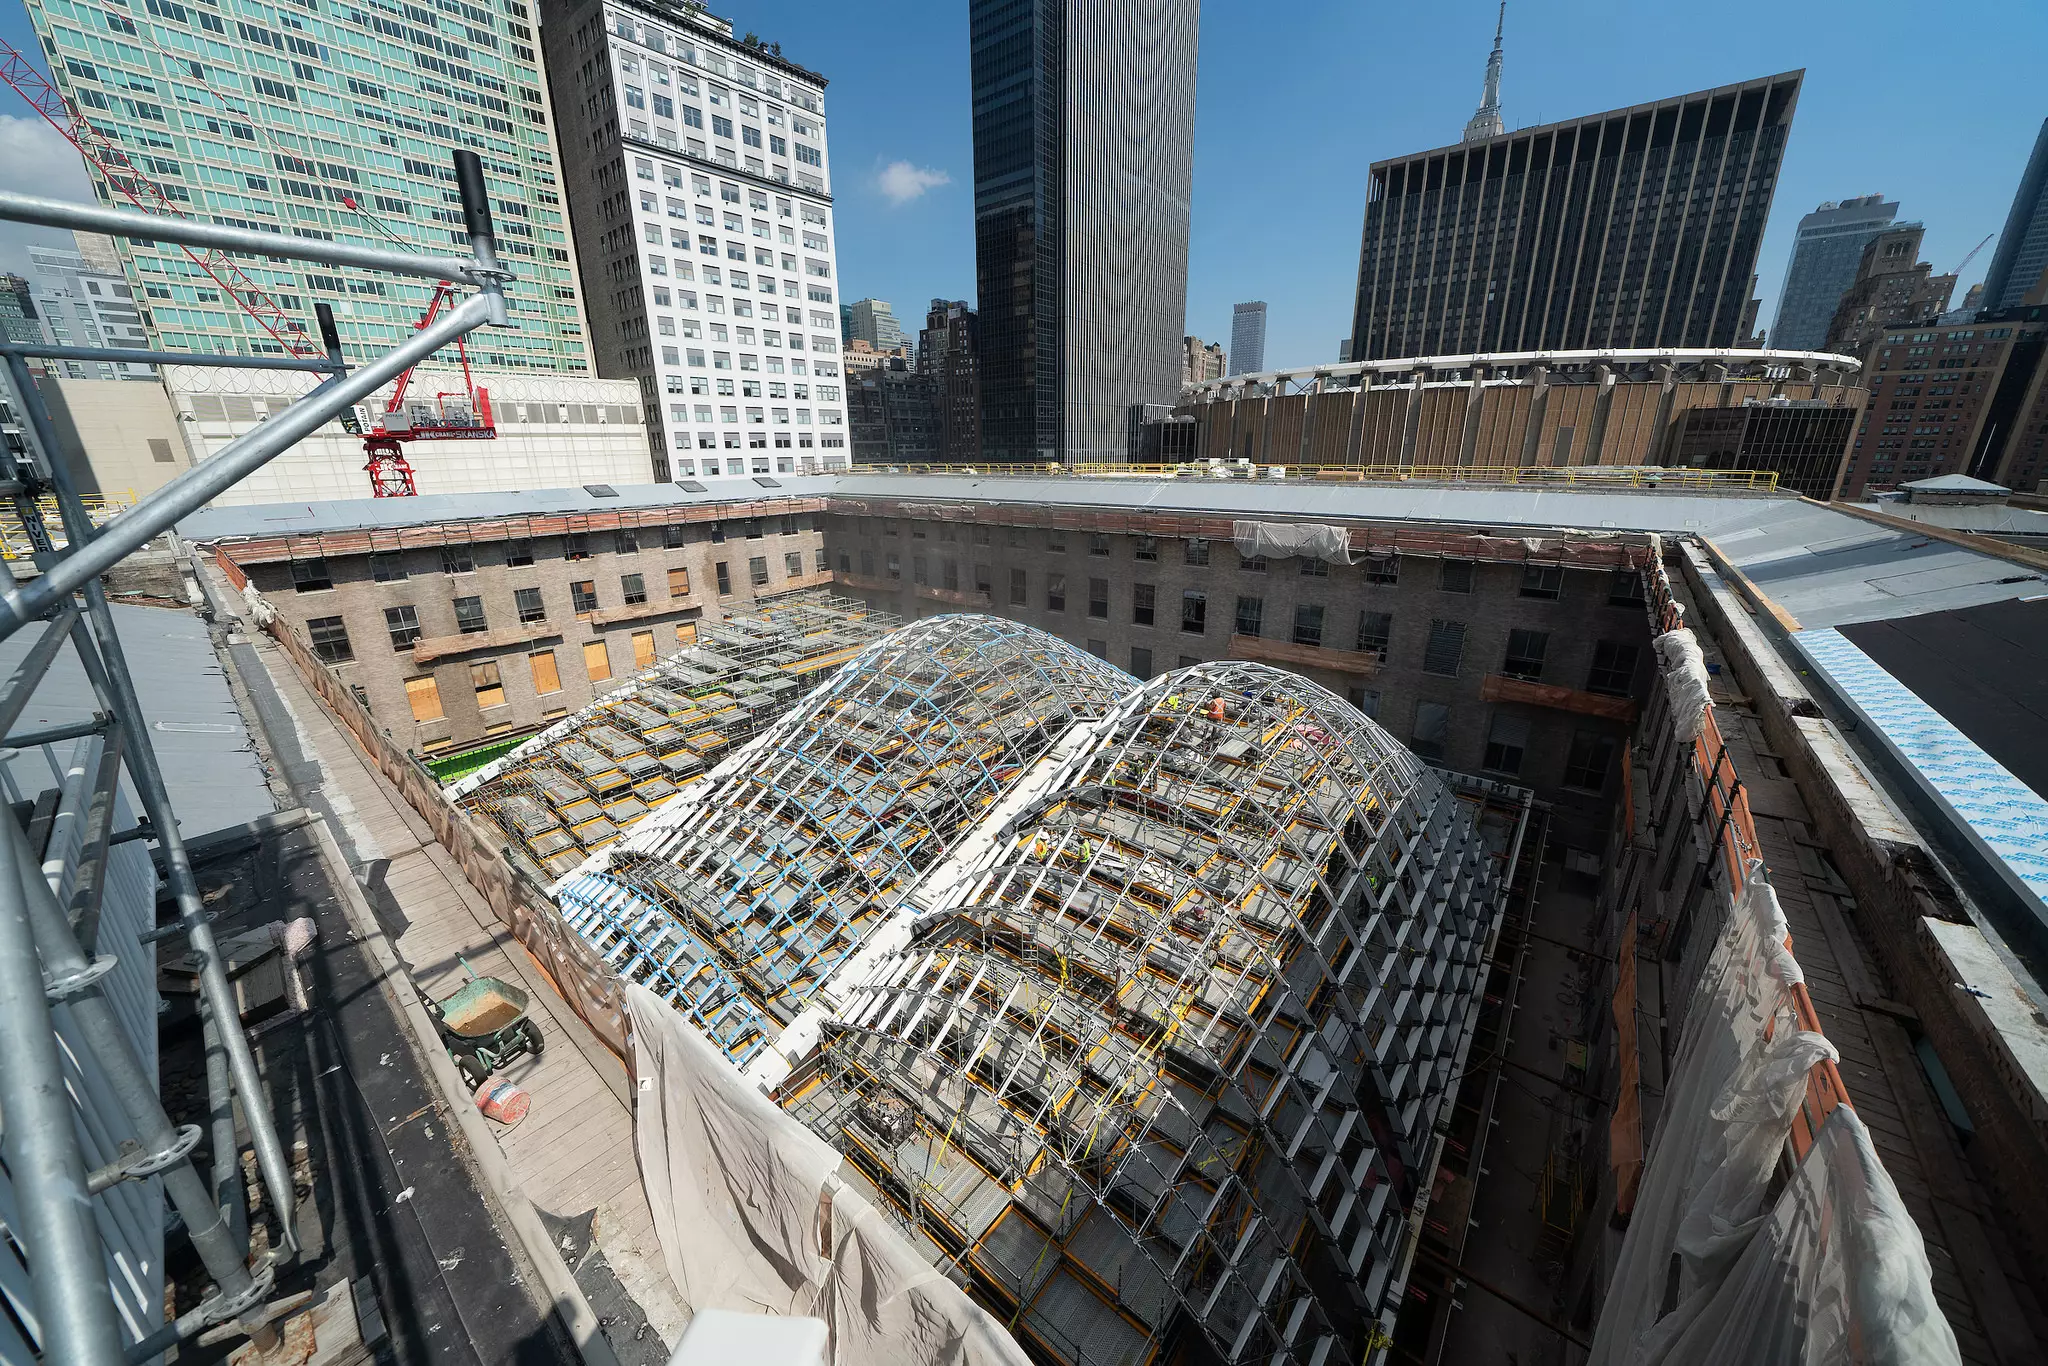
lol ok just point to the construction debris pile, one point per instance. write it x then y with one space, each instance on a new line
576 787
1134 1006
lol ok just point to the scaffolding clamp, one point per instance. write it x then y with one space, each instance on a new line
134 1164
64 985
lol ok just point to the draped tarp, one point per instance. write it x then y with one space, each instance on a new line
1685 679
752 1218
1703 1237
1282 540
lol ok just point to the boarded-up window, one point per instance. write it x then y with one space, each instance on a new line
1432 729
643 649
490 688
679 583
425 696
1446 648
546 677
597 661
686 633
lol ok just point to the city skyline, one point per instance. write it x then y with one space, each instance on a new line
905 191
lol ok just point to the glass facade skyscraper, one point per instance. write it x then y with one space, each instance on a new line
279 117
1248 339
1635 228
2022 252
1824 256
1083 165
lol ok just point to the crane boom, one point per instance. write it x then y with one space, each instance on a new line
125 180
1973 252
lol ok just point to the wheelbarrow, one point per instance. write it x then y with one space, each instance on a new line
484 1025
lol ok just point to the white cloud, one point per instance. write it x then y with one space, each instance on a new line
35 158
903 182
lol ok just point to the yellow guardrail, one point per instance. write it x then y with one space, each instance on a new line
1590 476
101 507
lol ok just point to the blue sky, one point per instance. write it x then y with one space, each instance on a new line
1935 107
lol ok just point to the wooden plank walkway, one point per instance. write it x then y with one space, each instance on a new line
1987 1303
574 1150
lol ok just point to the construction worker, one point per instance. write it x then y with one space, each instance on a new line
1217 711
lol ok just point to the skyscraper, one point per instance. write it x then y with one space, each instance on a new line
874 322
1084 115
701 196
1485 121
1824 256
949 358
1637 227
1248 339
1893 288
2022 252
329 123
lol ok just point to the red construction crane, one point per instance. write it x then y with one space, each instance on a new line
452 415
119 173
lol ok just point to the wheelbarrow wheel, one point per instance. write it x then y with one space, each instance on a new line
472 1069
534 1042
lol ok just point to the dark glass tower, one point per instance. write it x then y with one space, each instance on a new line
2022 252
1084 118
1634 228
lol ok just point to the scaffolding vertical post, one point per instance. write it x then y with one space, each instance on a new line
108 670
74 1309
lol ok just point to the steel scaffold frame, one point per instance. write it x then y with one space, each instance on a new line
1186 1038
44 955
741 898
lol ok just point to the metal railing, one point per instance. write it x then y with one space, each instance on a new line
18 543
51 962
1576 476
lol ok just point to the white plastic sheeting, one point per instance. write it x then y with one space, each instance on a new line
752 1218
1709 1273
1282 540
1685 678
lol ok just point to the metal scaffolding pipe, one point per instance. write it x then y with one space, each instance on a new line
135 1089
192 490
63 213
74 1309
21 685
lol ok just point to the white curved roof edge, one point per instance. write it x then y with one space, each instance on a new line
1407 364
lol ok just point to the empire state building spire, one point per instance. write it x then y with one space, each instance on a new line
1486 122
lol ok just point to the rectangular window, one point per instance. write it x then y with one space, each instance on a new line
1446 648
679 582
1142 597
724 573
547 677
490 689
1432 730
576 546
1455 576
518 552
531 608
1524 658
1018 588
1588 762
329 638
633 588
404 625
1312 568
1506 741
1365 699
1141 661
1614 669
1056 540
1308 624
674 536
387 567
457 559
1098 598
310 576
1251 564
1098 648
1194 612
1625 589
583 597
793 566
757 571
1055 592
628 540
425 696
469 616
1195 550
1383 569
1251 616
643 649
1544 581
1145 548
597 660
1098 543
1374 628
